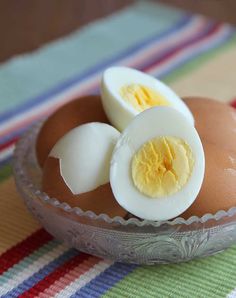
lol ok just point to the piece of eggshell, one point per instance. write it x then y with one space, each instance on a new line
99 200
214 121
79 111
218 191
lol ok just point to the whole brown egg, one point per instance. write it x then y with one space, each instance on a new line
99 200
215 121
79 111
216 125
218 191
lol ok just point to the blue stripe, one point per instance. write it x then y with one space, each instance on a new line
191 40
97 68
105 280
26 261
196 53
41 274
5 161
18 132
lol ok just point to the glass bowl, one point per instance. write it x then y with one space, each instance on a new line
133 240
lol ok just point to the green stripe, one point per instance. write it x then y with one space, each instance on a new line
5 172
207 277
198 61
26 262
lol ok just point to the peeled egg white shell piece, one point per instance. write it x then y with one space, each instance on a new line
152 123
118 111
84 155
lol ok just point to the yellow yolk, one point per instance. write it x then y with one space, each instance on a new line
162 166
141 97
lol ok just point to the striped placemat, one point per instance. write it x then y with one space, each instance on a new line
195 56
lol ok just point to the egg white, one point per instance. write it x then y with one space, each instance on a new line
84 155
152 123
118 111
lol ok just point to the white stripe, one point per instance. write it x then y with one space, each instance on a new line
6 153
167 42
32 268
190 50
232 294
85 278
79 88
44 107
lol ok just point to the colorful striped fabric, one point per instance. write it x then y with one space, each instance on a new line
196 56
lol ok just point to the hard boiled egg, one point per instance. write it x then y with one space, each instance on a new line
158 163
216 124
126 92
77 169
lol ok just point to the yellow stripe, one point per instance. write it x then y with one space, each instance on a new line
215 78
16 222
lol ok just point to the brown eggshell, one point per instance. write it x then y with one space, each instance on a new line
79 111
218 191
100 200
214 121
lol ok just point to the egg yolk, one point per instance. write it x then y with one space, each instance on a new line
141 97
162 166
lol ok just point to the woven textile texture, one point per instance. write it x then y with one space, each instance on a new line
195 56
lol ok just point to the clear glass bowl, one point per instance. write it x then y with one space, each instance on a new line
132 240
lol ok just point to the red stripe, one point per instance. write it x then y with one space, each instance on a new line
55 275
9 143
30 120
23 249
60 284
48 110
175 51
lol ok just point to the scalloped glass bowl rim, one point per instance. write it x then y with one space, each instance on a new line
26 180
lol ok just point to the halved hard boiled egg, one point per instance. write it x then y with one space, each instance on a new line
158 163
126 92
77 169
